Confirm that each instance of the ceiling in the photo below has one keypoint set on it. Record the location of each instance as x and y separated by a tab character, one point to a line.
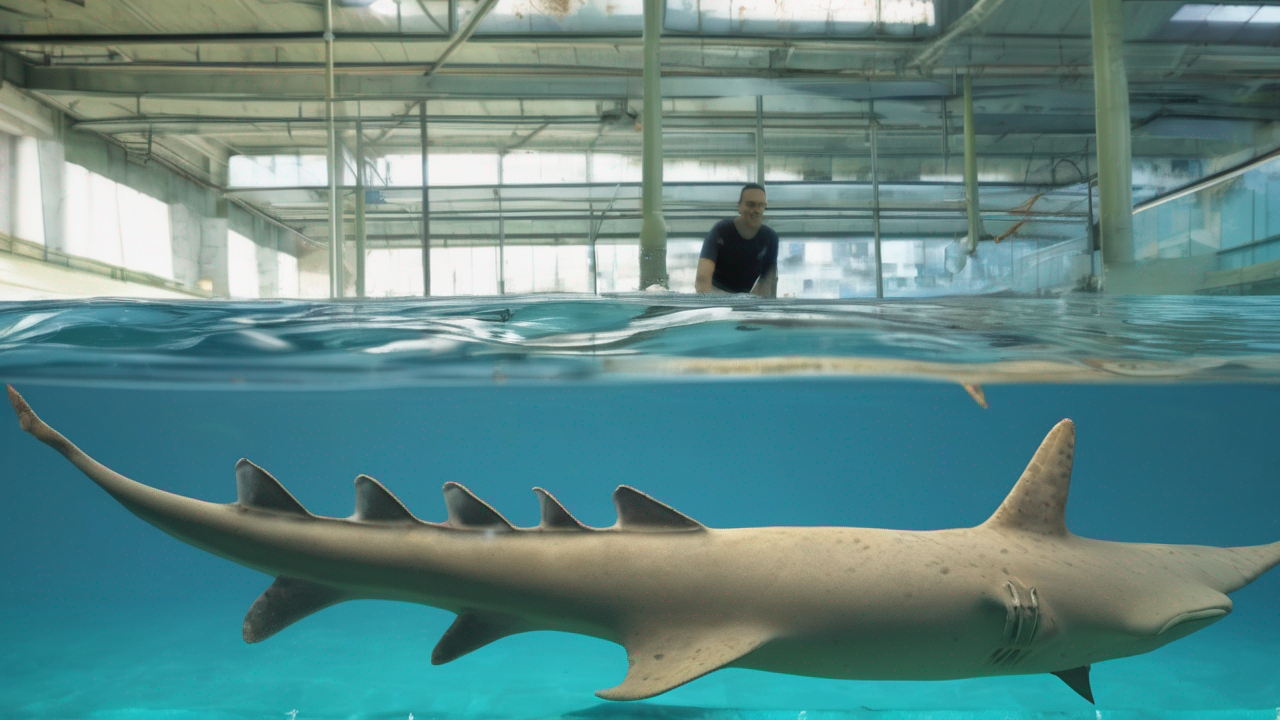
192	83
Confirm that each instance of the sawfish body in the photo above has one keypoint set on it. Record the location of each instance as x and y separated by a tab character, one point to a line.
1018	594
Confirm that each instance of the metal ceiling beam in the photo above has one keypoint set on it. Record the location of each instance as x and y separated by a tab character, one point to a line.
491	83
472	23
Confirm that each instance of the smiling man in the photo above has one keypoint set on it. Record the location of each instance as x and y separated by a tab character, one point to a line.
741	254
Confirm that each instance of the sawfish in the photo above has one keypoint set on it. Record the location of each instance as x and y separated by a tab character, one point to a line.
1018	594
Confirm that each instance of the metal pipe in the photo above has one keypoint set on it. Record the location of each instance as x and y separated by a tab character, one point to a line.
1115	162
462	35
875	202
760	139
971	170
335	244
361	233
426	205
653	230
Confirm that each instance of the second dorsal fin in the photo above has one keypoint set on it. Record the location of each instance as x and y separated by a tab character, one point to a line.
468	512
554	516
1038	502
375	503
637	511
255	488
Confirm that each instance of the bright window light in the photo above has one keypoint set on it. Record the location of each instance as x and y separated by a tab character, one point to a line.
92	218
1268	15
520	168
242	266
907	12
287	276
28	195
147	245
384	7
1192	13
394	272
1237	14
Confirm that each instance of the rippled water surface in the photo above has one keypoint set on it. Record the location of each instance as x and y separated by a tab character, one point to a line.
393	342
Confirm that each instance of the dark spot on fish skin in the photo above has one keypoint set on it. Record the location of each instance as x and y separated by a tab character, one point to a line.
1004	570
908	595
659	656
1004	551
945	570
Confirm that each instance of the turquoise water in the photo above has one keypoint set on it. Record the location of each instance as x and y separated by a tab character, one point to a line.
737	414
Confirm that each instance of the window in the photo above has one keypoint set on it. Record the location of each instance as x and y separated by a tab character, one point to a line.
242	266
115	224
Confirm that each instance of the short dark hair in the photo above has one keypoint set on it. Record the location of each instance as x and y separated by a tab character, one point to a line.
750	186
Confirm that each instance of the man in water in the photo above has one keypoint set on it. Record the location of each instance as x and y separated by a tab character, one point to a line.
741	254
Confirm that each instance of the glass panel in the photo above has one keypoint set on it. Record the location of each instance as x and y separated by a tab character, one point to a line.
1192	13
250	171
464	271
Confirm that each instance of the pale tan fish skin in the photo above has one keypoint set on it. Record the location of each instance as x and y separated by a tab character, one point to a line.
1018	594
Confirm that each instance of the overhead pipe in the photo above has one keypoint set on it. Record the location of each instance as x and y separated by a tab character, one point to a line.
653	229
472	23
980	11
1115	162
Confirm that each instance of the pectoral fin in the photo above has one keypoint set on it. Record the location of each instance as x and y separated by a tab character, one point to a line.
664	658
287	601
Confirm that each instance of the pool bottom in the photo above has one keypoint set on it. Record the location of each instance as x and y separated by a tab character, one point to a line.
371	660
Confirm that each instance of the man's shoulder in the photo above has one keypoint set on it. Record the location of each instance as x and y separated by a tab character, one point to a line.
769	233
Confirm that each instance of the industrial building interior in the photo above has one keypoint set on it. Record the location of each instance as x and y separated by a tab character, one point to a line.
182	148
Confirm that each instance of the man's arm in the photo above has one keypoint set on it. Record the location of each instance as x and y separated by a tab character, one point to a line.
702	283
767	285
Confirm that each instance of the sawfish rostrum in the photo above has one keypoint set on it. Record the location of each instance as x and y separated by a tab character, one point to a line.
1018	594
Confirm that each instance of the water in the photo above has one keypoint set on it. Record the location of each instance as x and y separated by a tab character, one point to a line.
737	413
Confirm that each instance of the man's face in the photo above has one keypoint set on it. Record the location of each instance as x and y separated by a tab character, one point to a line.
751	207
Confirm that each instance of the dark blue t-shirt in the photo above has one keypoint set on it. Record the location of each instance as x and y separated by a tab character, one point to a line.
739	262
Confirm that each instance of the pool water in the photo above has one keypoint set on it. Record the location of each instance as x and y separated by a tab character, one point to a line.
737	414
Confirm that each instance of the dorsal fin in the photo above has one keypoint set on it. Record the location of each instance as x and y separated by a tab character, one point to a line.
375	503
637	511
554	516
468	512
1038	502
255	488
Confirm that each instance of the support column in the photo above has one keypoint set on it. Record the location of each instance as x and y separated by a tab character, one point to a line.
760	139
972	208
426	205
653	229
361	231
1115	164
875	200
334	165
502	231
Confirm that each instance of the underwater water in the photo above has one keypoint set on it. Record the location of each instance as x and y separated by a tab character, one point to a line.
737	413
